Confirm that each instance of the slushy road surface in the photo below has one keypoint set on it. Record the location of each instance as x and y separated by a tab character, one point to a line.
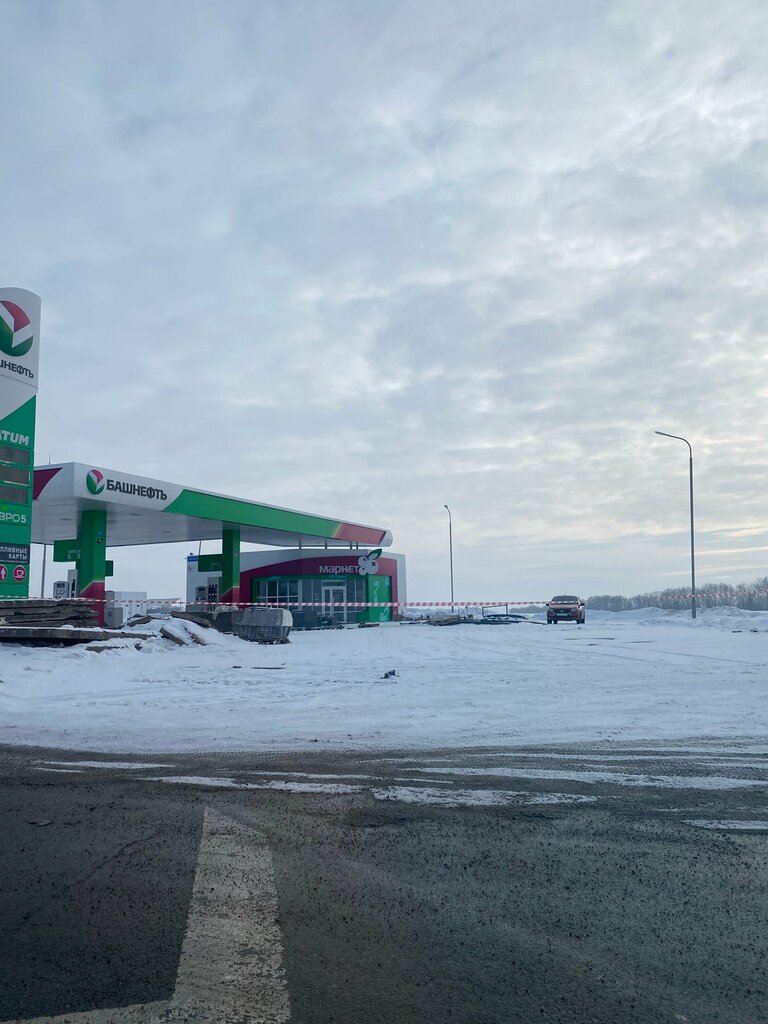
570	884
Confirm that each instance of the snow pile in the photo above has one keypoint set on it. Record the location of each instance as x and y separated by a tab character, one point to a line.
724	617
622	676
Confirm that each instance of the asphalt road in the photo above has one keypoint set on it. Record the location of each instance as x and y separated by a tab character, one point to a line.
564	885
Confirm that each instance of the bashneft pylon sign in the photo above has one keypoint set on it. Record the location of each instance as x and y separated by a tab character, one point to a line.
19	361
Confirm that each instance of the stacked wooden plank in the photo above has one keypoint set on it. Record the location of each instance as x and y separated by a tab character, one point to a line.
65	636
45	612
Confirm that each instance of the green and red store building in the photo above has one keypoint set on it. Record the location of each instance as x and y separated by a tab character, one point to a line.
362	584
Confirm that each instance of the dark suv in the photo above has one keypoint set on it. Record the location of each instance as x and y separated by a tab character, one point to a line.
565	608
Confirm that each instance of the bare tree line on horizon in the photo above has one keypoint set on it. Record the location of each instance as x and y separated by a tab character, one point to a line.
750	596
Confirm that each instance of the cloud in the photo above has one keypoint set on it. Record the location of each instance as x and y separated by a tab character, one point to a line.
366	259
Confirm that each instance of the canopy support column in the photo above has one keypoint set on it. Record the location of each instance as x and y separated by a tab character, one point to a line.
92	563
230	565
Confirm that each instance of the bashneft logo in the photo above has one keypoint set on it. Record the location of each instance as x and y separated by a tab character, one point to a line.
141	489
94	481
16	336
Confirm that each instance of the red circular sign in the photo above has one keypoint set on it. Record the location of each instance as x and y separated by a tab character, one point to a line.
3	573
20	573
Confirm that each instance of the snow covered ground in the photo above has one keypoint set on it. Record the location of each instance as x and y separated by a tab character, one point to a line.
638	675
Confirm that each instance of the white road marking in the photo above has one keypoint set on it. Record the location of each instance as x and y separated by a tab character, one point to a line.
729	825
111	764
616	778
334	788
476	797
231	964
449	797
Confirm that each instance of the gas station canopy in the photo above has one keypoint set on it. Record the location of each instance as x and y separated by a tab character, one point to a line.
143	511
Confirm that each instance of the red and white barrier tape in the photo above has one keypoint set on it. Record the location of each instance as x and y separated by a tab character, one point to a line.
158	601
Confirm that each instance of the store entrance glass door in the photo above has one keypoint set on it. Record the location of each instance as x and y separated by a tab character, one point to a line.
335	595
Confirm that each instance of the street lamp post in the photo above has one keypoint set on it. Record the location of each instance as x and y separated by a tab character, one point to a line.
450	550
677	437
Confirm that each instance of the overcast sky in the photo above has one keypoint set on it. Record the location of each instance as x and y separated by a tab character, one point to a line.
365	258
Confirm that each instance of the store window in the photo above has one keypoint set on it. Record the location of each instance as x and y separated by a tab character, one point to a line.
279	591
356	589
